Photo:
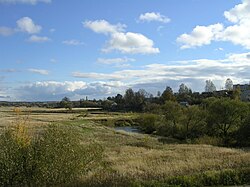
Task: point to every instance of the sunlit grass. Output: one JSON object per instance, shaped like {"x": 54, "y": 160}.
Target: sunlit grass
{"x": 130, "y": 157}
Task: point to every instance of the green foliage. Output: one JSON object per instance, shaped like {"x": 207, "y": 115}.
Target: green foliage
{"x": 209, "y": 140}
{"x": 217, "y": 121}
{"x": 243, "y": 134}
{"x": 172, "y": 113}
{"x": 183, "y": 89}
{"x": 152, "y": 108}
{"x": 167, "y": 95}
{"x": 66, "y": 103}
{"x": 211, "y": 178}
{"x": 193, "y": 122}
{"x": 236, "y": 93}
{"x": 225, "y": 117}
{"x": 148, "y": 122}
{"x": 134, "y": 101}
{"x": 55, "y": 157}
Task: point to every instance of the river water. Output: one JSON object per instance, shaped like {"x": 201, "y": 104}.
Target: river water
{"x": 131, "y": 129}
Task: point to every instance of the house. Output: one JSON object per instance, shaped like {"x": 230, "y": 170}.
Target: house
{"x": 244, "y": 91}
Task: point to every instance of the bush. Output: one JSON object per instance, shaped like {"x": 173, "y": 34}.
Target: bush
{"x": 55, "y": 157}
{"x": 209, "y": 140}
{"x": 147, "y": 122}
{"x": 243, "y": 134}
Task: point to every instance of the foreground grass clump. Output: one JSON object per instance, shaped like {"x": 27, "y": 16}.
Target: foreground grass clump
{"x": 54, "y": 157}
{"x": 210, "y": 178}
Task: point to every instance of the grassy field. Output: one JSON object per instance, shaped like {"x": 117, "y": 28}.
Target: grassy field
{"x": 137, "y": 159}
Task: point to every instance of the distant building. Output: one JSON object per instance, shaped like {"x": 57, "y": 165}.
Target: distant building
{"x": 184, "y": 103}
{"x": 244, "y": 91}
{"x": 218, "y": 94}
{"x": 243, "y": 87}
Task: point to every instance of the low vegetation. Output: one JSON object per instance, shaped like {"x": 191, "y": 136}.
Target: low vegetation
{"x": 55, "y": 156}
{"x": 48, "y": 147}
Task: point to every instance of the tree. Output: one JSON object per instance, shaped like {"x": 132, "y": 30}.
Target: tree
{"x": 139, "y": 100}
{"x": 244, "y": 133}
{"x": 193, "y": 122}
{"x": 167, "y": 95}
{"x": 129, "y": 98}
{"x": 236, "y": 93}
{"x": 229, "y": 84}
{"x": 210, "y": 87}
{"x": 66, "y": 103}
{"x": 184, "y": 93}
{"x": 158, "y": 94}
{"x": 119, "y": 99}
{"x": 172, "y": 112}
{"x": 183, "y": 89}
{"x": 225, "y": 116}
{"x": 134, "y": 100}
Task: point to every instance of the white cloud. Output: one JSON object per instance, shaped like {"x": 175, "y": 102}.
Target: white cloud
{"x": 219, "y": 49}
{"x": 98, "y": 76}
{"x": 131, "y": 43}
{"x": 72, "y": 42}
{"x": 237, "y": 33}
{"x": 102, "y": 26}
{"x": 6, "y": 31}
{"x": 152, "y": 77}
{"x": 26, "y": 24}
{"x": 39, "y": 71}
{"x": 153, "y": 16}
{"x": 114, "y": 60}
{"x": 38, "y": 39}
{"x": 125, "y": 42}
{"x": 201, "y": 35}
{"x": 239, "y": 13}
{"x": 32, "y": 2}
{"x": 155, "y": 77}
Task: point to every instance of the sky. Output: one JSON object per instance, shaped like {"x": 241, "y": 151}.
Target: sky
{"x": 50, "y": 49}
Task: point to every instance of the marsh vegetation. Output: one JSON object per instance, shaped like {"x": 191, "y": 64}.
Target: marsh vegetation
{"x": 83, "y": 149}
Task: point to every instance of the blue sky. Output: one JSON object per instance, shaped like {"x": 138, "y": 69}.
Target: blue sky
{"x": 50, "y": 48}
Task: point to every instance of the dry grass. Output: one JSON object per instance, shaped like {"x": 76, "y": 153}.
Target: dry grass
{"x": 142, "y": 157}
{"x": 35, "y": 116}
{"x": 138, "y": 156}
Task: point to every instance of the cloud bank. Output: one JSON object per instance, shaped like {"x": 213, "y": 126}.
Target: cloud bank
{"x": 152, "y": 77}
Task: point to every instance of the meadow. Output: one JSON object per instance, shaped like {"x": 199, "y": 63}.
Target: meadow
{"x": 132, "y": 159}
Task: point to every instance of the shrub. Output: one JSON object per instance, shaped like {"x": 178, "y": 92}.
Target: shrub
{"x": 147, "y": 122}
{"x": 209, "y": 140}
{"x": 55, "y": 157}
{"x": 243, "y": 134}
